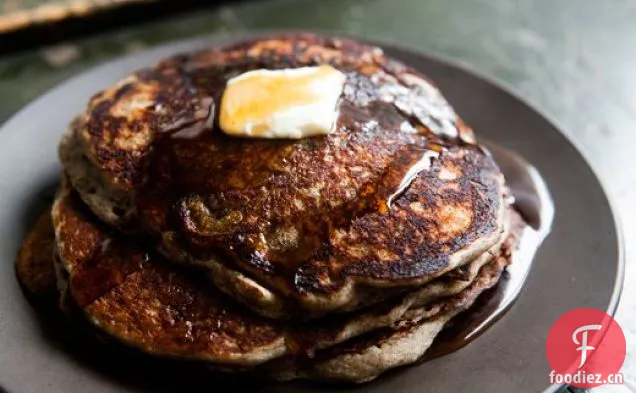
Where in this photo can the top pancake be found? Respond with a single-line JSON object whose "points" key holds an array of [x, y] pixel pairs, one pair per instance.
{"points": [[395, 196]]}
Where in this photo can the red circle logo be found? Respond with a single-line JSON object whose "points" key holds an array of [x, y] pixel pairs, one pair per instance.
{"points": [[586, 348]]}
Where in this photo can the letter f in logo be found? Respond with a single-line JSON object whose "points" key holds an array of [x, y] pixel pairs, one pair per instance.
{"points": [[584, 348]]}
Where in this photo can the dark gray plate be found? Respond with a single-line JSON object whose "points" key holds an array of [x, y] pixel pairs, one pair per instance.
{"points": [[580, 264]]}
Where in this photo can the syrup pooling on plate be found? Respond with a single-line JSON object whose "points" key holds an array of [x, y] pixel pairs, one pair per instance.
{"points": [[532, 200]]}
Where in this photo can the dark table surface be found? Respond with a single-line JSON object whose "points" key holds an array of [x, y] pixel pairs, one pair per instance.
{"points": [[574, 60]]}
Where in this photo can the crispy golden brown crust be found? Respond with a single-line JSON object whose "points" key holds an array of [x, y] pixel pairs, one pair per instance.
{"points": [[310, 222]]}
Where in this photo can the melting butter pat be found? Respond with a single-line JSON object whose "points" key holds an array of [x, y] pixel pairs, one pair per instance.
{"points": [[288, 103]]}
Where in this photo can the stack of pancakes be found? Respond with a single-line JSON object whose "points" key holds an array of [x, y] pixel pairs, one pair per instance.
{"points": [[330, 257]]}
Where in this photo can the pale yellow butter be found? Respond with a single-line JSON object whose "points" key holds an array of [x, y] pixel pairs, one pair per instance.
{"points": [[288, 103]]}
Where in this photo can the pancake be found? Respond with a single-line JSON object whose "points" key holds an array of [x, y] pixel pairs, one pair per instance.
{"points": [[33, 265], [365, 358], [356, 361], [396, 196], [125, 292], [135, 296]]}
